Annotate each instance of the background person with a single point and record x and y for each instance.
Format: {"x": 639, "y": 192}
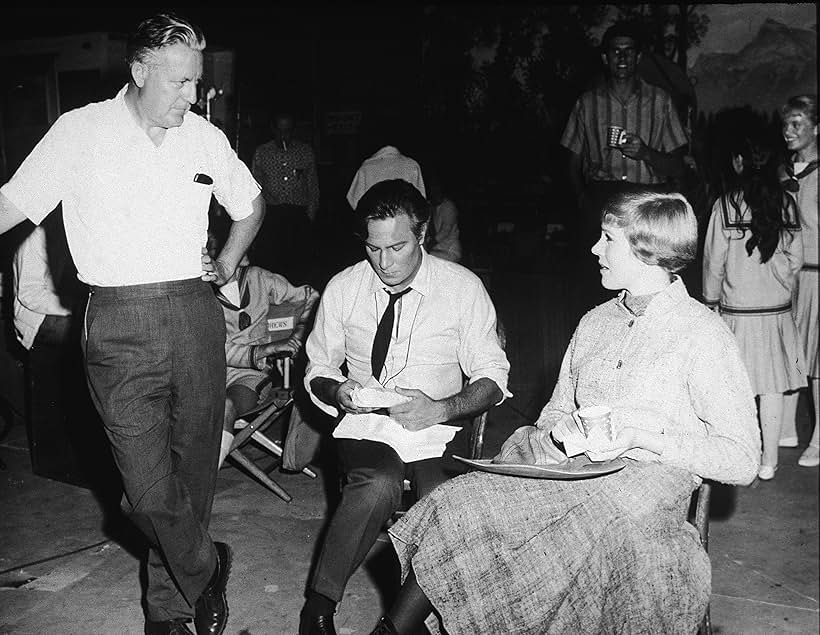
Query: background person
{"x": 654, "y": 142}
{"x": 386, "y": 163}
{"x": 246, "y": 298}
{"x": 495, "y": 554}
{"x": 442, "y": 238}
{"x": 135, "y": 175}
{"x": 408, "y": 322}
{"x": 285, "y": 167}
{"x": 752, "y": 256}
{"x": 799, "y": 116}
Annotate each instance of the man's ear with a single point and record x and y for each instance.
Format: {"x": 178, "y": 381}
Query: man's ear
{"x": 424, "y": 231}
{"x": 139, "y": 71}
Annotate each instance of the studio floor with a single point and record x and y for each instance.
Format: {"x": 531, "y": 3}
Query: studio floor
{"x": 63, "y": 570}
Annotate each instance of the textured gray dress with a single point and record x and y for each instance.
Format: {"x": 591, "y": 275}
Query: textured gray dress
{"x": 613, "y": 554}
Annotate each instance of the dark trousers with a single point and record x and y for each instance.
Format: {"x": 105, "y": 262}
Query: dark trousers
{"x": 284, "y": 244}
{"x": 374, "y": 477}
{"x": 155, "y": 356}
{"x": 49, "y": 369}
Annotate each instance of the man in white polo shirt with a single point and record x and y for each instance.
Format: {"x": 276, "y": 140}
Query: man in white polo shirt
{"x": 135, "y": 176}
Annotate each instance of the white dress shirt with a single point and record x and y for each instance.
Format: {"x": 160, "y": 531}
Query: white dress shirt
{"x": 445, "y": 329}
{"x": 134, "y": 213}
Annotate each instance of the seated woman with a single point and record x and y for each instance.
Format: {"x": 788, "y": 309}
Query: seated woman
{"x": 503, "y": 554}
{"x": 245, "y": 300}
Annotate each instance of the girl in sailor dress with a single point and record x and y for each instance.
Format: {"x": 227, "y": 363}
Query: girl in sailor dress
{"x": 752, "y": 256}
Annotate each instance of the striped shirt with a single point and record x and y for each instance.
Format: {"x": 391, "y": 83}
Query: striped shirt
{"x": 648, "y": 112}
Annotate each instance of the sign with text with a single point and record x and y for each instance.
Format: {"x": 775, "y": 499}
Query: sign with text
{"x": 343, "y": 122}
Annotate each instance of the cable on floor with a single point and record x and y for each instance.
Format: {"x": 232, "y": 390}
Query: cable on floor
{"x": 56, "y": 557}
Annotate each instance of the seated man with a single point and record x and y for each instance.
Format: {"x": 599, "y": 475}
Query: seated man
{"x": 246, "y": 299}
{"x": 408, "y": 325}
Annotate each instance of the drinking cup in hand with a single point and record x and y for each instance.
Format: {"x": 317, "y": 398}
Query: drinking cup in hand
{"x": 597, "y": 422}
{"x": 616, "y": 137}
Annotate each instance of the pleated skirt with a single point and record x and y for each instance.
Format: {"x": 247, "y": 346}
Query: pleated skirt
{"x": 806, "y": 317}
{"x": 771, "y": 350}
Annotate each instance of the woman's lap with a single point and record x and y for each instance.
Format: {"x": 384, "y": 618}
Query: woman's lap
{"x": 533, "y": 544}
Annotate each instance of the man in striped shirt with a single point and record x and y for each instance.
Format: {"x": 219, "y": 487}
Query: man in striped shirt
{"x": 652, "y": 144}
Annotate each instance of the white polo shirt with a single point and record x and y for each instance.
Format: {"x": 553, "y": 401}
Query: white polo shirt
{"x": 134, "y": 213}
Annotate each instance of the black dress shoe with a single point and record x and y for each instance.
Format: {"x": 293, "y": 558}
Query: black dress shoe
{"x": 316, "y": 624}
{"x": 178, "y": 626}
{"x": 211, "y": 615}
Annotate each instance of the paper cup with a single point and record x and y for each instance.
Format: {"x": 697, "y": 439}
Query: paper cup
{"x": 616, "y": 136}
{"x": 596, "y": 420}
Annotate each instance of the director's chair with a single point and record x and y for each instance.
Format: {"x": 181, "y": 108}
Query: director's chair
{"x": 251, "y": 425}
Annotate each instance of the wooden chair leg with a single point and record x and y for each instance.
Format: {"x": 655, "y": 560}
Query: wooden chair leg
{"x": 274, "y": 447}
{"x": 706, "y": 624}
{"x": 263, "y": 478}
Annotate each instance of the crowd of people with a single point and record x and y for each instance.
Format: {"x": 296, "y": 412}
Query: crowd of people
{"x": 403, "y": 347}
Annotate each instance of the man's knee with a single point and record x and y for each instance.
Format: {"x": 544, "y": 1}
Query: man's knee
{"x": 375, "y": 489}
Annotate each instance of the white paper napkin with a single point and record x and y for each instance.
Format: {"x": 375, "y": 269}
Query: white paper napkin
{"x": 410, "y": 446}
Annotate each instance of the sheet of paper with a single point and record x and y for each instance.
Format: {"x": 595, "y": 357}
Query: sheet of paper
{"x": 410, "y": 446}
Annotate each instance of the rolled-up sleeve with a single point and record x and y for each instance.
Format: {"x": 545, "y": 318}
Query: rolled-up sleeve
{"x": 325, "y": 345}
{"x": 479, "y": 352}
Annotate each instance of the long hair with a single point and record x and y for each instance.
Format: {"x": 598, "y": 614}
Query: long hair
{"x": 769, "y": 204}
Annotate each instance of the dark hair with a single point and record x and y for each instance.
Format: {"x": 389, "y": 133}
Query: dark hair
{"x": 661, "y": 229}
{"x": 770, "y": 206}
{"x": 163, "y": 29}
{"x": 624, "y": 28}
{"x": 388, "y": 199}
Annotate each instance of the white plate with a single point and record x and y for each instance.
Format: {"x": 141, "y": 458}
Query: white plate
{"x": 577, "y": 468}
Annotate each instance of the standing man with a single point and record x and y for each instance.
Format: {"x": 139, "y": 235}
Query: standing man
{"x": 135, "y": 175}
{"x": 411, "y": 326}
{"x": 650, "y": 148}
{"x": 286, "y": 169}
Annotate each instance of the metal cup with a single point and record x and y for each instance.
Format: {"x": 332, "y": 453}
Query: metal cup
{"x": 616, "y": 136}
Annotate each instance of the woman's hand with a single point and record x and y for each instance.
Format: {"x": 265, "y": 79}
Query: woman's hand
{"x": 625, "y": 440}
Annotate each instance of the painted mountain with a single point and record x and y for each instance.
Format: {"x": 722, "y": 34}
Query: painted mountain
{"x": 779, "y": 62}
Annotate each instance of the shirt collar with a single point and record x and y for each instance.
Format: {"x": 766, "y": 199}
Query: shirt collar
{"x": 663, "y": 302}
{"x": 421, "y": 282}
{"x": 131, "y": 125}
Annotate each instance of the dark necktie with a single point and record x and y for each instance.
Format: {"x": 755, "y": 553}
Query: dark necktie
{"x": 381, "y": 342}
{"x": 792, "y": 184}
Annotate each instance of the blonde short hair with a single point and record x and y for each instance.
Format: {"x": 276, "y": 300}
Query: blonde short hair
{"x": 661, "y": 228}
